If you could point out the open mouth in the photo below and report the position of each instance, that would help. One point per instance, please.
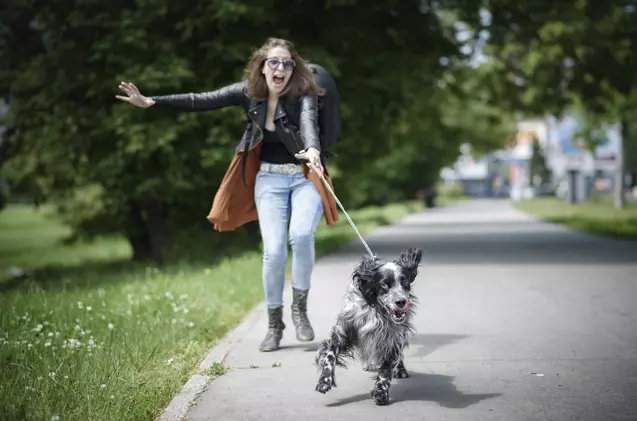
(398, 315)
(278, 80)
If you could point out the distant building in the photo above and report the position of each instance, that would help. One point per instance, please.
(508, 172)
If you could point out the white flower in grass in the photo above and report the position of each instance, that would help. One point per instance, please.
(55, 418)
(168, 294)
(38, 328)
(191, 324)
(71, 343)
(78, 328)
(80, 305)
(147, 297)
(47, 344)
(50, 335)
(173, 321)
(169, 361)
(89, 308)
(111, 326)
(46, 323)
(103, 386)
(100, 292)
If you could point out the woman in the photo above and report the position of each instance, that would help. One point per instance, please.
(266, 179)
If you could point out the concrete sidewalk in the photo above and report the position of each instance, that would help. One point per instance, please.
(518, 320)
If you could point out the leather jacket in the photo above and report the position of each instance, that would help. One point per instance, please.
(295, 119)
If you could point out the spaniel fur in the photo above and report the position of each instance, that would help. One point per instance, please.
(375, 323)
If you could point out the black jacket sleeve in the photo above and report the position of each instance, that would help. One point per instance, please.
(309, 122)
(228, 95)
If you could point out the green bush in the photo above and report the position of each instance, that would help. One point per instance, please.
(451, 191)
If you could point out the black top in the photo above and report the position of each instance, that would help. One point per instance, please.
(274, 151)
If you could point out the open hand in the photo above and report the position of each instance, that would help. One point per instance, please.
(133, 96)
(313, 156)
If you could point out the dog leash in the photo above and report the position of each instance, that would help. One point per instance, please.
(347, 215)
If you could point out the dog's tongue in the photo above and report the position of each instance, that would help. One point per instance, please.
(409, 304)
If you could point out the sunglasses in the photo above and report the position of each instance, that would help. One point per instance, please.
(274, 63)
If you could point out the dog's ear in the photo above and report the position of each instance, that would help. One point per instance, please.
(410, 259)
(364, 277)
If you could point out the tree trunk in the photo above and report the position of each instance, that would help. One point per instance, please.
(157, 229)
(620, 197)
(147, 231)
(137, 234)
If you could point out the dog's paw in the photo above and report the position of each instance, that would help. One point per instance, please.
(325, 383)
(401, 373)
(380, 396)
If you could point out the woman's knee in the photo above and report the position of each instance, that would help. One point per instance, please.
(275, 255)
(303, 238)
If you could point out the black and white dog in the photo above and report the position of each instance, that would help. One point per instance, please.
(374, 324)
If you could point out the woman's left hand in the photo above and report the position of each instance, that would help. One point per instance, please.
(313, 156)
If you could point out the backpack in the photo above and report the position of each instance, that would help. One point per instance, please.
(329, 109)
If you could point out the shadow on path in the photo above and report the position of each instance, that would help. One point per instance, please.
(504, 247)
(425, 387)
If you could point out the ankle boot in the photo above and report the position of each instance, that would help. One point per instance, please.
(304, 331)
(275, 330)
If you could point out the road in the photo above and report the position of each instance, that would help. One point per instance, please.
(518, 320)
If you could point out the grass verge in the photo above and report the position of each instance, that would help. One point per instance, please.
(597, 216)
(90, 335)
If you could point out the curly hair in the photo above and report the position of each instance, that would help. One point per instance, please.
(301, 82)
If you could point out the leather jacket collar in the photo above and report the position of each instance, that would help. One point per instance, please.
(257, 110)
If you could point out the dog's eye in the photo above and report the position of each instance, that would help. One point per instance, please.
(384, 286)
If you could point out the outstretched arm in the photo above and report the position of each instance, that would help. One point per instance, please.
(228, 95)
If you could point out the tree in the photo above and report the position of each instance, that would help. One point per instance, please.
(150, 174)
(550, 55)
(538, 162)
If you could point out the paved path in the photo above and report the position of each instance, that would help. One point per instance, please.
(502, 297)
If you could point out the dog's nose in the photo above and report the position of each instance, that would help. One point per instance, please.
(401, 303)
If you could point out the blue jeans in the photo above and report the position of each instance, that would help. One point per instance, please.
(284, 199)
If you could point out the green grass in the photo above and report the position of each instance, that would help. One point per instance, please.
(90, 335)
(596, 216)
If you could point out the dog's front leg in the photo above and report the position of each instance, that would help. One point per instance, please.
(327, 358)
(380, 393)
